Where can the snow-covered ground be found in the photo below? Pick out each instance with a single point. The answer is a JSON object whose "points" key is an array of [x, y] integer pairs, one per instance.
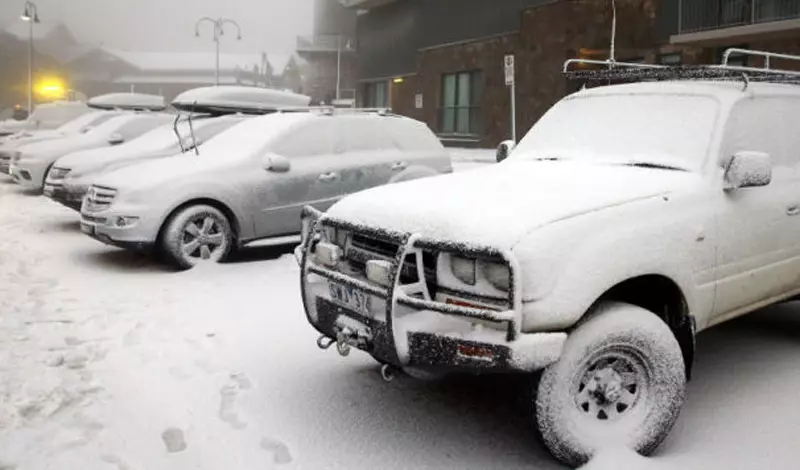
{"points": [[110, 361]]}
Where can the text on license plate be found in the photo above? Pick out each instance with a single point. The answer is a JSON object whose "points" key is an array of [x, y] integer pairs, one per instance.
{"points": [[350, 297], [88, 229]]}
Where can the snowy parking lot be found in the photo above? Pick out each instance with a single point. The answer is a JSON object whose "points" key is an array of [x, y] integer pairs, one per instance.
{"points": [[110, 360]]}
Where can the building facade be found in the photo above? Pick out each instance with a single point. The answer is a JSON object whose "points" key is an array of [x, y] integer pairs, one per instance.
{"points": [[446, 69]]}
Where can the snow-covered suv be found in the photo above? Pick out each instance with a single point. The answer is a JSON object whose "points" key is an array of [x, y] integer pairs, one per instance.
{"points": [[629, 218]]}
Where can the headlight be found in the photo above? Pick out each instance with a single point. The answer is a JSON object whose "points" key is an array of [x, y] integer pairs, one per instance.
{"points": [[499, 275], [58, 173], [463, 269]]}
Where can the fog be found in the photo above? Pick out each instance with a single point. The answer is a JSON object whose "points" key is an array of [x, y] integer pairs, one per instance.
{"points": [[168, 25]]}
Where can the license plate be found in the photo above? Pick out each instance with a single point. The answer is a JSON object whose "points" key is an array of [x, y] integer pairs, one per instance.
{"points": [[350, 297], [87, 229]]}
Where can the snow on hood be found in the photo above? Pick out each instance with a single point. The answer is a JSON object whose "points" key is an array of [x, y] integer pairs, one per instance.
{"points": [[27, 138], [60, 146], [158, 172], [498, 205], [89, 160]]}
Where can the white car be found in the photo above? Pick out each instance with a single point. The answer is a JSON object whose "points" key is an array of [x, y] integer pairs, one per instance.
{"points": [[72, 175], [29, 166], [252, 181], [46, 116], [629, 218], [79, 125], [70, 178]]}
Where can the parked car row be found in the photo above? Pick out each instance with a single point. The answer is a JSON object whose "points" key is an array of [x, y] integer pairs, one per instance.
{"points": [[234, 165]]}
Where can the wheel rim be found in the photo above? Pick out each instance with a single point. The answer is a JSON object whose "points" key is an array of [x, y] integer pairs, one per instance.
{"points": [[203, 239], [610, 384]]}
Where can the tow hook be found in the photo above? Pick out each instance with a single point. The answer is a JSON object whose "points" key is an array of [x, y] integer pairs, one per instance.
{"points": [[323, 342], [388, 372]]}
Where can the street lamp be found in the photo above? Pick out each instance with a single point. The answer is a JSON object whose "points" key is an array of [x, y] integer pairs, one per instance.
{"points": [[219, 30], [31, 15]]}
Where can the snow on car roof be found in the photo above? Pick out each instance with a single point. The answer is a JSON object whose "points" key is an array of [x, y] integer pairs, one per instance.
{"points": [[723, 89], [233, 99], [128, 101]]}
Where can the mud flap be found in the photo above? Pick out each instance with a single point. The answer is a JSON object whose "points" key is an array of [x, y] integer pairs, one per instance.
{"points": [[686, 336]]}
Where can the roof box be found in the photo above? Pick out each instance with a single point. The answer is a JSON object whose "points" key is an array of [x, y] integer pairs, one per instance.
{"points": [[128, 101], [237, 99]]}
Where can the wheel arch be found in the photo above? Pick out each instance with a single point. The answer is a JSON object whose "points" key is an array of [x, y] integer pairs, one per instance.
{"points": [[207, 201], [662, 296]]}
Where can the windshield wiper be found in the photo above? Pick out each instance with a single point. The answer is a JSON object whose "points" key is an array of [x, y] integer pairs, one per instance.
{"points": [[657, 166]]}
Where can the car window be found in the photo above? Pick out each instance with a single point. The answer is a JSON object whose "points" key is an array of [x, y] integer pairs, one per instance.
{"points": [[765, 124], [311, 138], [138, 126], [412, 136], [213, 128], [360, 134]]}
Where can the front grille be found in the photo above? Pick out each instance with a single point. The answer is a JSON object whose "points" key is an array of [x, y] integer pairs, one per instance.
{"points": [[363, 248], [100, 198], [58, 173], [93, 220]]}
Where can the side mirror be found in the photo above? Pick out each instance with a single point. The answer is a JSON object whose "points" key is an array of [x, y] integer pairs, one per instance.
{"points": [[116, 139], [278, 164], [504, 150], [748, 170]]}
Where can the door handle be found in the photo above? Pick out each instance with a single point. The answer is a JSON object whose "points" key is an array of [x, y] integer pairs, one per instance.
{"points": [[327, 177], [399, 166], [794, 209]]}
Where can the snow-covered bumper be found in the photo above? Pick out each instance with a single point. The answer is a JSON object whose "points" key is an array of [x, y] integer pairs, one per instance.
{"points": [[29, 173], [5, 161], [384, 305], [117, 224], [63, 192]]}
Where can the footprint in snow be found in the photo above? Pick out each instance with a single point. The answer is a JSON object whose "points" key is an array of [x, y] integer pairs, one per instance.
{"points": [[174, 440], [228, 398], [280, 451]]}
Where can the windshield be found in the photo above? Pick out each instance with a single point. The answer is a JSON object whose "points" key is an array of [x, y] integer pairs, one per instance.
{"points": [[661, 129], [110, 126], [87, 120], [57, 113], [163, 137]]}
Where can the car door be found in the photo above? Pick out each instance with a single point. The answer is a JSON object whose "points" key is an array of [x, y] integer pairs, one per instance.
{"points": [[313, 178], [758, 258], [367, 155]]}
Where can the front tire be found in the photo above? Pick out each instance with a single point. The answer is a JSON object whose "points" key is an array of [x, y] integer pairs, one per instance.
{"points": [[620, 381], [197, 234]]}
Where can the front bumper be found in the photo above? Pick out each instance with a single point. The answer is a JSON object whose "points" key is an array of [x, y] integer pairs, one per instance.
{"points": [[69, 196], [138, 233], [28, 175], [403, 327]]}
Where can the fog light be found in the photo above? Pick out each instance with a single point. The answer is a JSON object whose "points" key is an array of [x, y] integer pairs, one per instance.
{"points": [[328, 254], [122, 222], [380, 272]]}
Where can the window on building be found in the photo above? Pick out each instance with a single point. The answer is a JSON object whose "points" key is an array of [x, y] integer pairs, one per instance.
{"points": [[670, 59], [734, 59], [461, 98], [634, 60], [376, 95]]}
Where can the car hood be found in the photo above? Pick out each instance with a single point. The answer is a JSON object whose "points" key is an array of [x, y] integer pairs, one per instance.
{"points": [[161, 171], [95, 159], [60, 146], [496, 206], [31, 137]]}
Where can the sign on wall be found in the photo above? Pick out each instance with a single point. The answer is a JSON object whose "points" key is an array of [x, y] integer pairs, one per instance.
{"points": [[418, 101]]}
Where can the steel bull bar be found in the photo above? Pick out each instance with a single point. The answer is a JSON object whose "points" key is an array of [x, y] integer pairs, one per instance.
{"points": [[391, 345]]}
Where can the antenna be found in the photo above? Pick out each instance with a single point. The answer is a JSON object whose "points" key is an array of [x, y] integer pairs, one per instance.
{"points": [[178, 134], [191, 129]]}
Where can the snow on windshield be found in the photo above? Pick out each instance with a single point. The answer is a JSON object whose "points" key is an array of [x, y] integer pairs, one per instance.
{"points": [[86, 120], [111, 126], [654, 128], [252, 135], [163, 137]]}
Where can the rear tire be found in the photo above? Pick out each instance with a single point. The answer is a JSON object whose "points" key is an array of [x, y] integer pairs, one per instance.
{"points": [[620, 381], [197, 234]]}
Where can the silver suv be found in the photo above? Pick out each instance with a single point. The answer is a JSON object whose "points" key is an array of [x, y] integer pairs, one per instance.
{"points": [[252, 181]]}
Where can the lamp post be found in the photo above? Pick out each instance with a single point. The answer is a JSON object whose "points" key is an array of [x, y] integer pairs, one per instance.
{"points": [[219, 30], [31, 15]]}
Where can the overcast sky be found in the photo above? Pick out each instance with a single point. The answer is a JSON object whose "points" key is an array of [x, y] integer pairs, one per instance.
{"points": [[168, 25]]}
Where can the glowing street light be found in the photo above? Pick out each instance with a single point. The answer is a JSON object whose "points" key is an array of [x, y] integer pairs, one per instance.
{"points": [[31, 15], [219, 30]]}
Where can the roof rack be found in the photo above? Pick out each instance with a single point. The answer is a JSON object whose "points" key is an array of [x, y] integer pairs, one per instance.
{"points": [[330, 110], [631, 72]]}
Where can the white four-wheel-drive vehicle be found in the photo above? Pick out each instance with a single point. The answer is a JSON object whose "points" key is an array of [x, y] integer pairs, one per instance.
{"points": [[31, 163], [222, 107], [629, 217], [252, 181]]}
